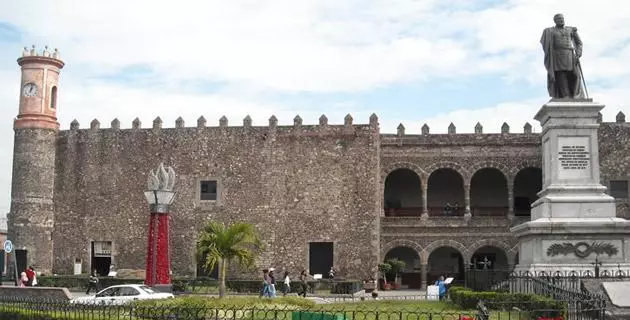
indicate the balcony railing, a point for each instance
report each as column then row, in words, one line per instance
column 441, row 212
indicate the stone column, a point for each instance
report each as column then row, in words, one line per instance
column 467, row 213
column 425, row 200
column 423, row 277
column 510, row 200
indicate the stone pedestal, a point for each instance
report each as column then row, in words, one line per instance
column 574, row 221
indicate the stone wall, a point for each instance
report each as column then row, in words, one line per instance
column 30, row 222
column 296, row 184
column 614, row 158
column 46, row 294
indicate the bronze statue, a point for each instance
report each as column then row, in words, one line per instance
column 563, row 49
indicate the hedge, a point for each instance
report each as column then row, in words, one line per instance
column 468, row 299
column 202, row 285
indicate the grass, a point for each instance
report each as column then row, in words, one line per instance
column 282, row 308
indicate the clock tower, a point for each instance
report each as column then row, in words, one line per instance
column 38, row 91
column 31, row 218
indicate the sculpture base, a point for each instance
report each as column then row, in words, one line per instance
column 569, row 243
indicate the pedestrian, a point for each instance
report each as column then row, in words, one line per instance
column 272, row 283
column 23, row 280
column 303, row 283
column 30, row 274
column 287, row 284
column 264, row 291
column 441, row 287
column 92, row 282
column 331, row 273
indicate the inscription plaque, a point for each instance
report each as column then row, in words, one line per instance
column 574, row 158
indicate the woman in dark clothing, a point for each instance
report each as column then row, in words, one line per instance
column 304, row 283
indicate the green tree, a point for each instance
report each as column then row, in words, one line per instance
column 220, row 244
column 396, row 267
column 384, row 268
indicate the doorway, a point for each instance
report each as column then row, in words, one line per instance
column 21, row 260
column 320, row 258
column 101, row 257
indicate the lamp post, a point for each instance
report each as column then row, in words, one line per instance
column 160, row 196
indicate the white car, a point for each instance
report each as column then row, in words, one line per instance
column 121, row 294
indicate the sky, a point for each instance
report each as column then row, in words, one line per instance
column 408, row 61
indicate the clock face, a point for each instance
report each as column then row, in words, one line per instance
column 29, row 90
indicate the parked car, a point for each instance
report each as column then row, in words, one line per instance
column 121, row 294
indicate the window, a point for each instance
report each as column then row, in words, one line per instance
column 128, row 291
column 208, row 190
column 53, row 98
column 619, row 189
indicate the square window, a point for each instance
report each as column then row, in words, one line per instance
column 619, row 189
column 208, row 190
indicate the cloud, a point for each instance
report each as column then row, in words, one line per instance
column 128, row 59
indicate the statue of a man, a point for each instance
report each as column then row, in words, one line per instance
column 563, row 49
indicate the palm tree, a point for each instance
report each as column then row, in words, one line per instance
column 220, row 244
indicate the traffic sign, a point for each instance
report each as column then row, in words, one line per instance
column 8, row 246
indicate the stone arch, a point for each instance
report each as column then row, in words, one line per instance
column 446, row 185
column 527, row 183
column 527, row 163
column 404, row 165
column 424, row 257
column 489, row 191
column 401, row 243
column 489, row 164
column 448, row 165
column 509, row 253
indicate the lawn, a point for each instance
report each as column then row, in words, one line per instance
column 289, row 308
column 254, row 308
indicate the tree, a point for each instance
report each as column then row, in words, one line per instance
column 384, row 268
column 220, row 244
column 396, row 267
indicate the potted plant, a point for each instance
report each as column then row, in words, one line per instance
column 396, row 267
column 384, row 268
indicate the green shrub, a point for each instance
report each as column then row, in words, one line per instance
column 467, row 299
column 228, row 302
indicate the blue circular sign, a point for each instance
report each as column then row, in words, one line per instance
column 8, row 246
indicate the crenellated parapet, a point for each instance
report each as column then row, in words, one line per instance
column 297, row 129
column 452, row 137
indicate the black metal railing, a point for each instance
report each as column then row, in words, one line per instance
column 23, row 309
column 500, row 280
column 561, row 286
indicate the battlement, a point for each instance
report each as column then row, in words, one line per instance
column 478, row 136
column 44, row 53
column 298, row 128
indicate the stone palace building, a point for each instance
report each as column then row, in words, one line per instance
column 321, row 195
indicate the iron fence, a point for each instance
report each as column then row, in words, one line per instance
column 500, row 280
column 40, row 310
column 564, row 286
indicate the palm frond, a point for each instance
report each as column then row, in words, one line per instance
column 239, row 241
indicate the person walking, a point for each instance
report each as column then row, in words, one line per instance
column 264, row 291
column 92, row 282
column 303, row 283
column 287, row 284
column 272, row 283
